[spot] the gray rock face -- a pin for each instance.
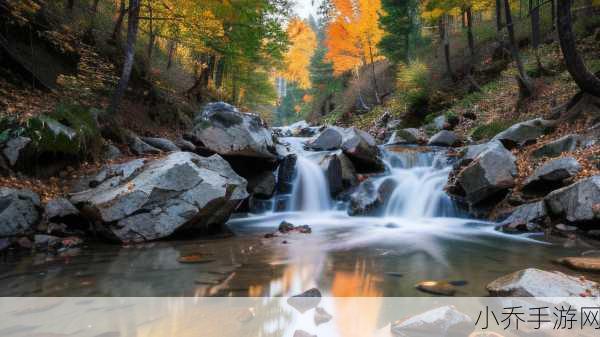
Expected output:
(185, 145)
(578, 202)
(525, 132)
(539, 283)
(139, 147)
(332, 168)
(443, 321)
(328, 139)
(368, 197)
(555, 148)
(60, 208)
(552, 173)
(472, 151)
(18, 211)
(349, 177)
(405, 136)
(226, 131)
(491, 172)
(362, 150)
(262, 185)
(112, 152)
(286, 174)
(526, 216)
(443, 138)
(182, 191)
(161, 144)
(13, 149)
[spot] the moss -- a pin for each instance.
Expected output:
(489, 130)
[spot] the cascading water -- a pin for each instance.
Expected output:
(311, 192)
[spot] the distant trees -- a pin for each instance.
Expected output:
(303, 42)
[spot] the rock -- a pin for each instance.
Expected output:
(362, 150)
(18, 211)
(194, 259)
(533, 282)
(286, 227)
(581, 263)
(526, 217)
(4, 244)
(332, 168)
(139, 147)
(185, 145)
(286, 174)
(180, 192)
(60, 208)
(525, 132)
(262, 185)
(578, 202)
(302, 333)
(369, 196)
(161, 144)
(472, 151)
(439, 122)
(489, 174)
(328, 139)
(112, 152)
(45, 242)
(321, 316)
(405, 136)
(24, 242)
(564, 228)
(443, 321)
(221, 128)
(305, 301)
(302, 129)
(349, 177)
(551, 174)
(555, 148)
(14, 147)
(437, 288)
(443, 138)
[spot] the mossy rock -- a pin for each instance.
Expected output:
(487, 131)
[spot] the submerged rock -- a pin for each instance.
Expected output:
(525, 132)
(321, 316)
(443, 138)
(221, 128)
(369, 196)
(581, 263)
(305, 301)
(161, 144)
(578, 202)
(182, 191)
(19, 211)
(551, 174)
(302, 333)
(444, 321)
(539, 283)
(437, 287)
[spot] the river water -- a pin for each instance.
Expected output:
(419, 234)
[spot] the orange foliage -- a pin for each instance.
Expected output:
(303, 42)
(353, 34)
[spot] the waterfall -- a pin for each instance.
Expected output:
(311, 191)
(420, 179)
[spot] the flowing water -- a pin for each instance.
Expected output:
(417, 235)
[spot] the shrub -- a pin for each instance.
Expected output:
(487, 131)
(413, 85)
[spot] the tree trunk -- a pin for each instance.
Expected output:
(89, 33)
(585, 79)
(151, 39)
(446, 42)
(132, 28)
(70, 5)
(116, 33)
(534, 12)
(470, 37)
(172, 47)
(375, 88)
(553, 14)
(524, 81)
(499, 18)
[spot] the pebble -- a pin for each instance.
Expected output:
(581, 263)
(193, 258)
(437, 288)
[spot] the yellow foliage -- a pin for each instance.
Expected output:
(303, 42)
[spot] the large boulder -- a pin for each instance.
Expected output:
(286, 173)
(362, 150)
(328, 139)
(262, 185)
(370, 196)
(221, 128)
(443, 138)
(555, 148)
(161, 144)
(180, 192)
(349, 177)
(443, 321)
(140, 148)
(405, 136)
(525, 217)
(19, 211)
(552, 174)
(332, 168)
(525, 133)
(579, 203)
(489, 174)
(533, 282)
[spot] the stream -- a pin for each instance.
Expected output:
(419, 234)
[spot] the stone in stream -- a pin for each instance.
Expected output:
(581, 263)
(443, 138)
(262, 184)
(369, 197)
(180, 192)
(551, 174)
(349, 177)
(321, 316)
(524, 218)
(14, 147)
(332, 168)
(525, 133)
(539, 283)
(437, 288)
(161, 144)
(329, 139)
(362, 150)
(302, 333)
(555, 148)
(286, 174)
(577, 203)
(194, 258)
(305, 301)
(444, 321)
(19, 211)
(221, 128)
(286, 227)
(60, 210)
(405, 136)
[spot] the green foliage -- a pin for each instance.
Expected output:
(400, 22)
(489, 130)
(413, 84)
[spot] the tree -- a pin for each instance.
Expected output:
(525, 83)
(132, 29)
(401, 28)
(585, 79)
(303, 42)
